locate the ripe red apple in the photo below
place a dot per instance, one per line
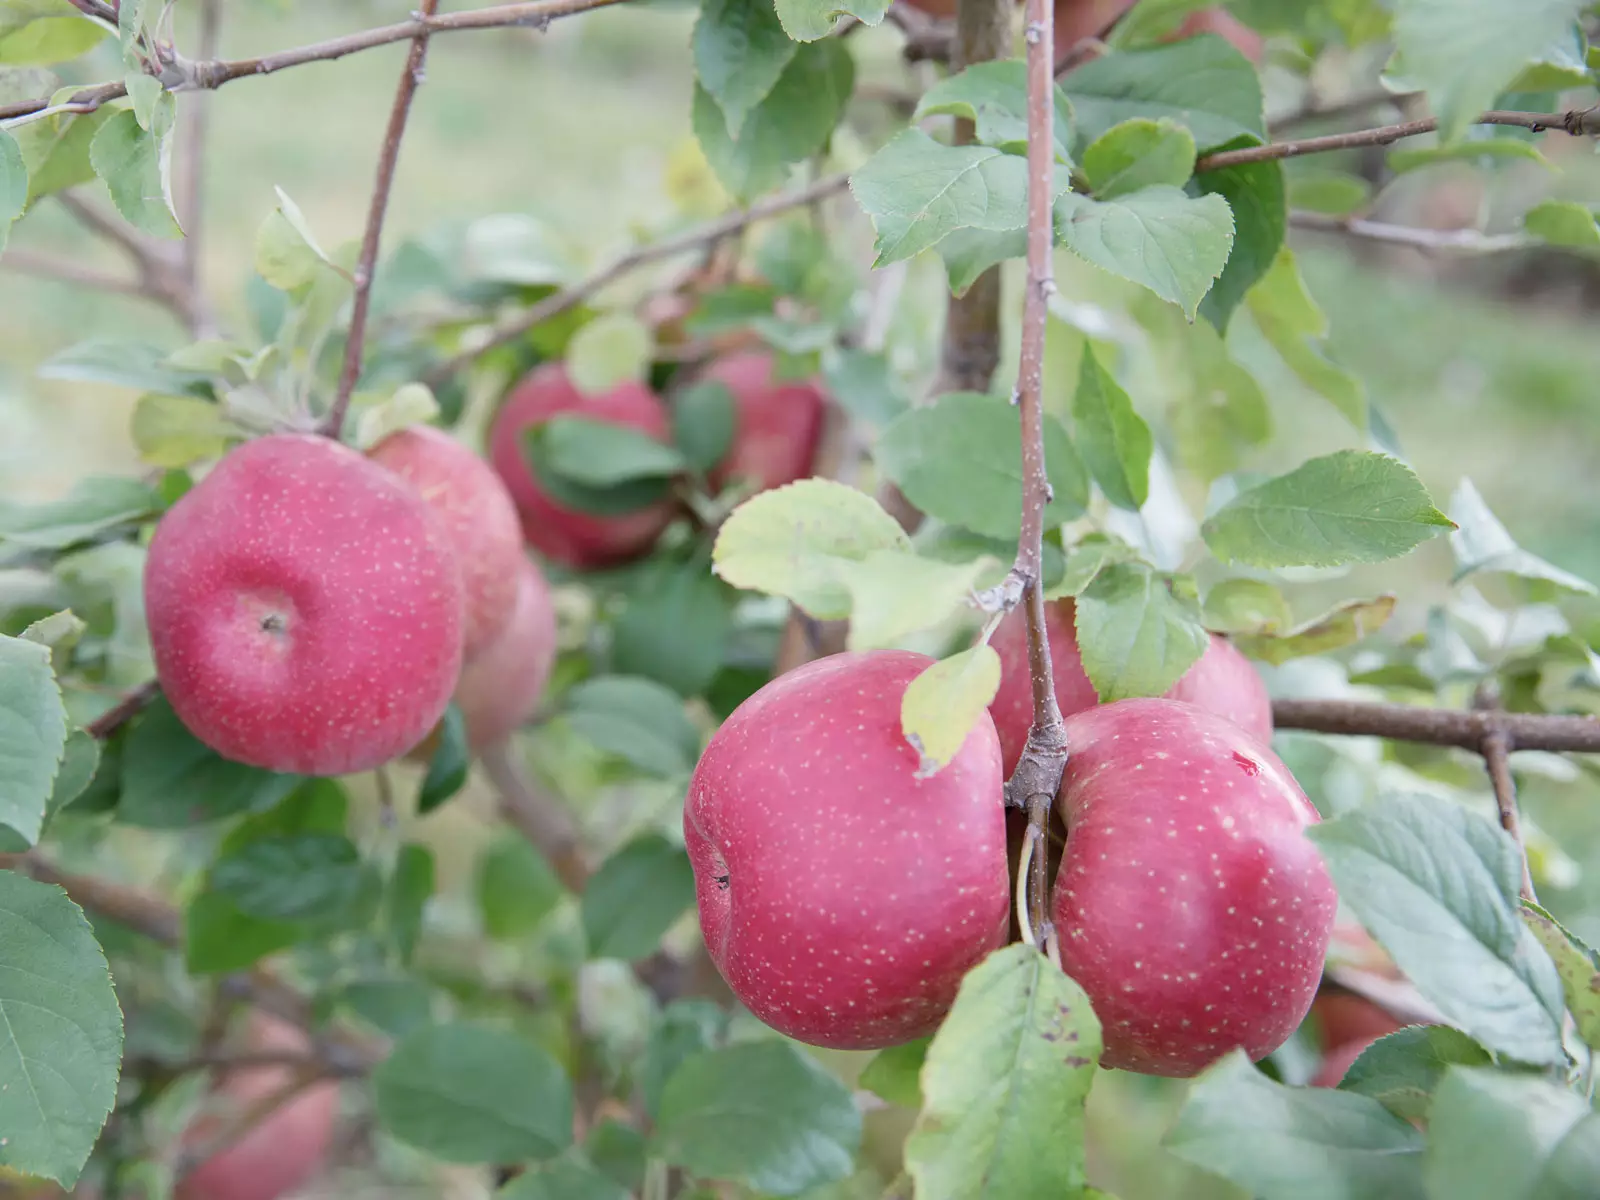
(478, 518)
(841, 897)
(283, 1152)
(778, 423)
(1223, 681)
(501, 687)
(1192, 907)
(573, 538)
(305, 609)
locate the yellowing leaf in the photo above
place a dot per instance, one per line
(942, 704)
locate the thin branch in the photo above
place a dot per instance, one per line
(183, 74)
(1439, 726)
(1496, 751)
(160, 266)
(1457, 241)
(1577, 122)
(367, 264)
(42, 266)
(133, 907)
(537, 815)
(191, 190)
(695, 239)
(123, 711)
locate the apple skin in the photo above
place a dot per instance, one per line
(841, 897)
(283, 1152)
(501, 688)
(305, 609)
(1192, 908)
(478, 517)
(1223, 681)
(778, 423)
(563, 535)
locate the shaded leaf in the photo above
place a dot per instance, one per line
(635, 897)
(1292, 322)
(1113, 438)
(994, 96)
(33, 735)
(637, 720)
(1401, 1071)
(740, 50)
(1138, 153)
(1202, 83)
(1497, 1136)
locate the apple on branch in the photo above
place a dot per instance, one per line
(778, 422)
(501, 688)
(841, 896)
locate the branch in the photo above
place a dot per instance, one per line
(1461, 241)
(1496, 751)
(42, 266)
(1439, 726)
(367, 264)
(695, 239)
(185, 74)
(137, 909)
(123, 711)
(161, 273)
(1577, 122)
(191, 204)
(537, 815)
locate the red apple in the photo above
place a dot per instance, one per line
(501, 688)
(478, 517)
(778, 423)
(1343, 1017)
(1339, 1060)
(282, 1153)
(842, 897)
(573, 538)
(1192, 908)
(1223, 681)
(305, 609)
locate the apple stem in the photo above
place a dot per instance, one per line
(367, 264)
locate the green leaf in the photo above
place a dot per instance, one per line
(895, 593)
(994, 97)
(968, 253)
(942, 705)
(918, 191)
(1564, 223)
(635, 897)
(1139, 630)
(1160, 238)
(80, 761)
(467, 1094)
(411, 885)
(894, 1074)
(124, 364)
(56, 148)
(1483, 152)
(1250, 606)
(448, 766)
(1482, 545)
(176, 431)
(136, 167)
(287, 253)
(704, 420)
(570, 1177)
(60, 1032)
(97, 504)
(740, 50)
(396, 1007)
(686, 1028)
(1402, 1071)
(791, 542)
(130, 25)
(1281, 1143)
(1463, 53)
(1136, 154)
(1324, 190)
(809, 20)
(1578, 966)
(144, 91)
(865, 386)
(1496, 1136)
(1289, 319)
(411, 404)
(1113, 438)
(1342, 625)
(1349, 506)
(50, 40)
(765, 1114)
(219, 938)
(636, 469)
(1436, 885)
(1093, 554)
(1201, 82)
(33, 734)
(789, 125)
(171, 780)
(1255, 196)
(960, 460)
(13, 184)
(637, 720)
(516, 248)
(516, 889)
(290, 877)
(1020, 1041)
(611, 350)
(675, 628)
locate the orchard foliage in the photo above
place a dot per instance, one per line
(445, 521)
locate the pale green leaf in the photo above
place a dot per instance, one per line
(638, 720)
(1349, 506)
(809, 20)
(610, 350)
(1500, 1136)
(1579, 968)
(1401, 1071)
(49, 39)
(1247, 606)
(1342, 625)
(1114, 440)
(740, 50)
(1020, 1041)
(968, 253)
(143, 91)
(1138, 629)
(135, 166)
(1289, 318)
(97, 504)
(895, 593)
(33, 732)
(1202, 83)
(13, 184)
(1482, 545)
(894, 1074)
(942, 705)
(1564, 223)
(175, 431)
(411, 404)
(636, 896)
(1137, 154)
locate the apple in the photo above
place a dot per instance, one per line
(1224, 24)
(778, 423)
(280, 1154)
(1338, 1062)
(1343, 1017)
(478, 517)
(501, 688)
(564, 535)
(1223, 681)
(841, 897)
(1191, 906)
(305, 609)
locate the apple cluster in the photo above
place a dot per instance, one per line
(843, 895)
